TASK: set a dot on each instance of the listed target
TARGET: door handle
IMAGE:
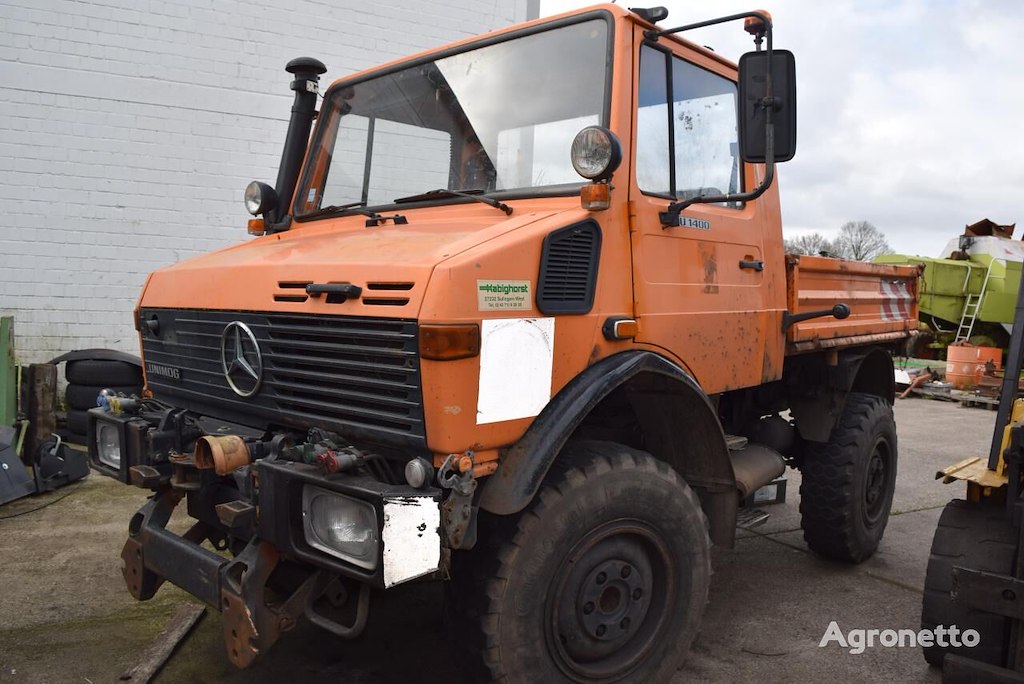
(755, 264)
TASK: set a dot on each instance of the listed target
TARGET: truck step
(748, 518)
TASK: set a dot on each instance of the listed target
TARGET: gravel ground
(65, 615)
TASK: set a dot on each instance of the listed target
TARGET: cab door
(702, 287)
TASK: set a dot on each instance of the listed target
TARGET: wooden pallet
(972, 400)
(933, 391)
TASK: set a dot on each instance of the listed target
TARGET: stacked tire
(86, 377)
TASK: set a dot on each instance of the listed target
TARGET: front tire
(603, 578)
(848, 483)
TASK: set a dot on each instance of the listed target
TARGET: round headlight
(259, 198)
(596, 153)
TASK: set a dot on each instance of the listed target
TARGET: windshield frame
(560, 190)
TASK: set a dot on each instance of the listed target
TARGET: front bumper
(265, 501)
(271, 508)
(408, 531)
(258, 513)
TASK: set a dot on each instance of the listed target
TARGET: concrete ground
(65, 615)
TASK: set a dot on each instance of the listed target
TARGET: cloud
(909, 112)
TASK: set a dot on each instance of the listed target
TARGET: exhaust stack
(307, 77)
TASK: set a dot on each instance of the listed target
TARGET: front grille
(356, 376)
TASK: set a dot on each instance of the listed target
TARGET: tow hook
(251, 625)
(458, 512)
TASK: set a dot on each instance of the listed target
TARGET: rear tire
(848, 483)
(104, 373)
(78, 422)
(977, 537)
(603, 578)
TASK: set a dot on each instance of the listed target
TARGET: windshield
(496, 118)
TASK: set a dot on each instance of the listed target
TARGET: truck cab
(517, 316)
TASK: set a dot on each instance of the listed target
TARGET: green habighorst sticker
(503, 295)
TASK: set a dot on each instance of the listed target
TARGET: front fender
(677, 418)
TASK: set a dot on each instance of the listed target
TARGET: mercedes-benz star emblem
(241, 359)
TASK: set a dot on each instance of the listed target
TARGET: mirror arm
(654, 34)
(670, 217)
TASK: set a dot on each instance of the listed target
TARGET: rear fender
(818, 389)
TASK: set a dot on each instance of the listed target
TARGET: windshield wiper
(374, 219)
(351, 208)
(445, 192)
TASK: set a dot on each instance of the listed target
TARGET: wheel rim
(876, 482)
(602, 620)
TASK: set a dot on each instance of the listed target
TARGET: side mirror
(753, 104)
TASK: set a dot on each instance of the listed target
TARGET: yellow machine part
(982, 482)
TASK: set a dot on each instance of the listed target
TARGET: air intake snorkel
(307, 77)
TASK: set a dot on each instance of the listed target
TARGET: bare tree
(812, 243)
(861, 240)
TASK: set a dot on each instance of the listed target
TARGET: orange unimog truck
(518, 317)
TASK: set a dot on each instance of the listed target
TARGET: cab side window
(690, 148)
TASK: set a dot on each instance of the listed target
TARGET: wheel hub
(602, 616)
(875, 477)
(611, 603)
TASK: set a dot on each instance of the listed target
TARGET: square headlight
(108, 444)
(341, 526)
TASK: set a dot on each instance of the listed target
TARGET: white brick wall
(128, 130)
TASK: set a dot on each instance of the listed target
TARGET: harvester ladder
(972, 305)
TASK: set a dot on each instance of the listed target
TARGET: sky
(910, 112)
